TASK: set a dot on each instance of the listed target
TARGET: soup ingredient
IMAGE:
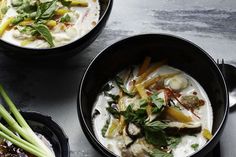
(27, 140)
(46, 23)
(150, 110)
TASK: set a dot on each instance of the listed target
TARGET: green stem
(13, 108)
(23, 146)
(11, 134)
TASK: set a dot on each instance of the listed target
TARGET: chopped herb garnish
(115, 98)
(46, 10)
(44, 32)
(195, 146)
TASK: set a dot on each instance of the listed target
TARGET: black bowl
(45, 126)
(180, 53)
(62, 51)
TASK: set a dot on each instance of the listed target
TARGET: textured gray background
(52, 89)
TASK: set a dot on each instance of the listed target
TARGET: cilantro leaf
(113, 112)
(105, 127)
(173, 142)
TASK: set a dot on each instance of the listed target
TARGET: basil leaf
(157, 138)
(44, 32)
(159, 102)
(46, 10)
(17, 19)
(121, 85)
(135, 116)
(155, 126)
(159, 153)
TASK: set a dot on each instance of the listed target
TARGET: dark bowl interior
(180, 53)
(45, 126)
(63, 51)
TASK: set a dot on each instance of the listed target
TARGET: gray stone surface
(52, 89)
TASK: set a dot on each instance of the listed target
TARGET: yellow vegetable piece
(81, 3)
(5, 25)
(144, 66)
(113, 128)
(142, 92)
(51, 23)
(149, 71)
(26, 22)
(26, 42)
(177, 115)
(61, 12)
(207, 134)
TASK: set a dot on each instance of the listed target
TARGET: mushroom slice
(178, 128)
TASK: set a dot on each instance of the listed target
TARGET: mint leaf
(44, 32)
(155, 126)
(159, 153)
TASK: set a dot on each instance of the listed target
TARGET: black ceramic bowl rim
(97, 144)
(57, 49)
(53, 126)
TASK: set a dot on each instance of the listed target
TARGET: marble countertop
(52, 89)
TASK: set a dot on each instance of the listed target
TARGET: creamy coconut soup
(152, 110)
(46, 23)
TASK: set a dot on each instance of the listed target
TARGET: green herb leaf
(45, 33)
(46, 10)
(29, 31)
(157, 138)
(120, 84)
(135, 116)
(155, 126)
(16, 3)
(105, 127)
(143, 103)
(4, 10)
(159, 102)
(113, 112)
(159, 153)
(66, 18)
(173, 142)
(195, 146)
(17, 19)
